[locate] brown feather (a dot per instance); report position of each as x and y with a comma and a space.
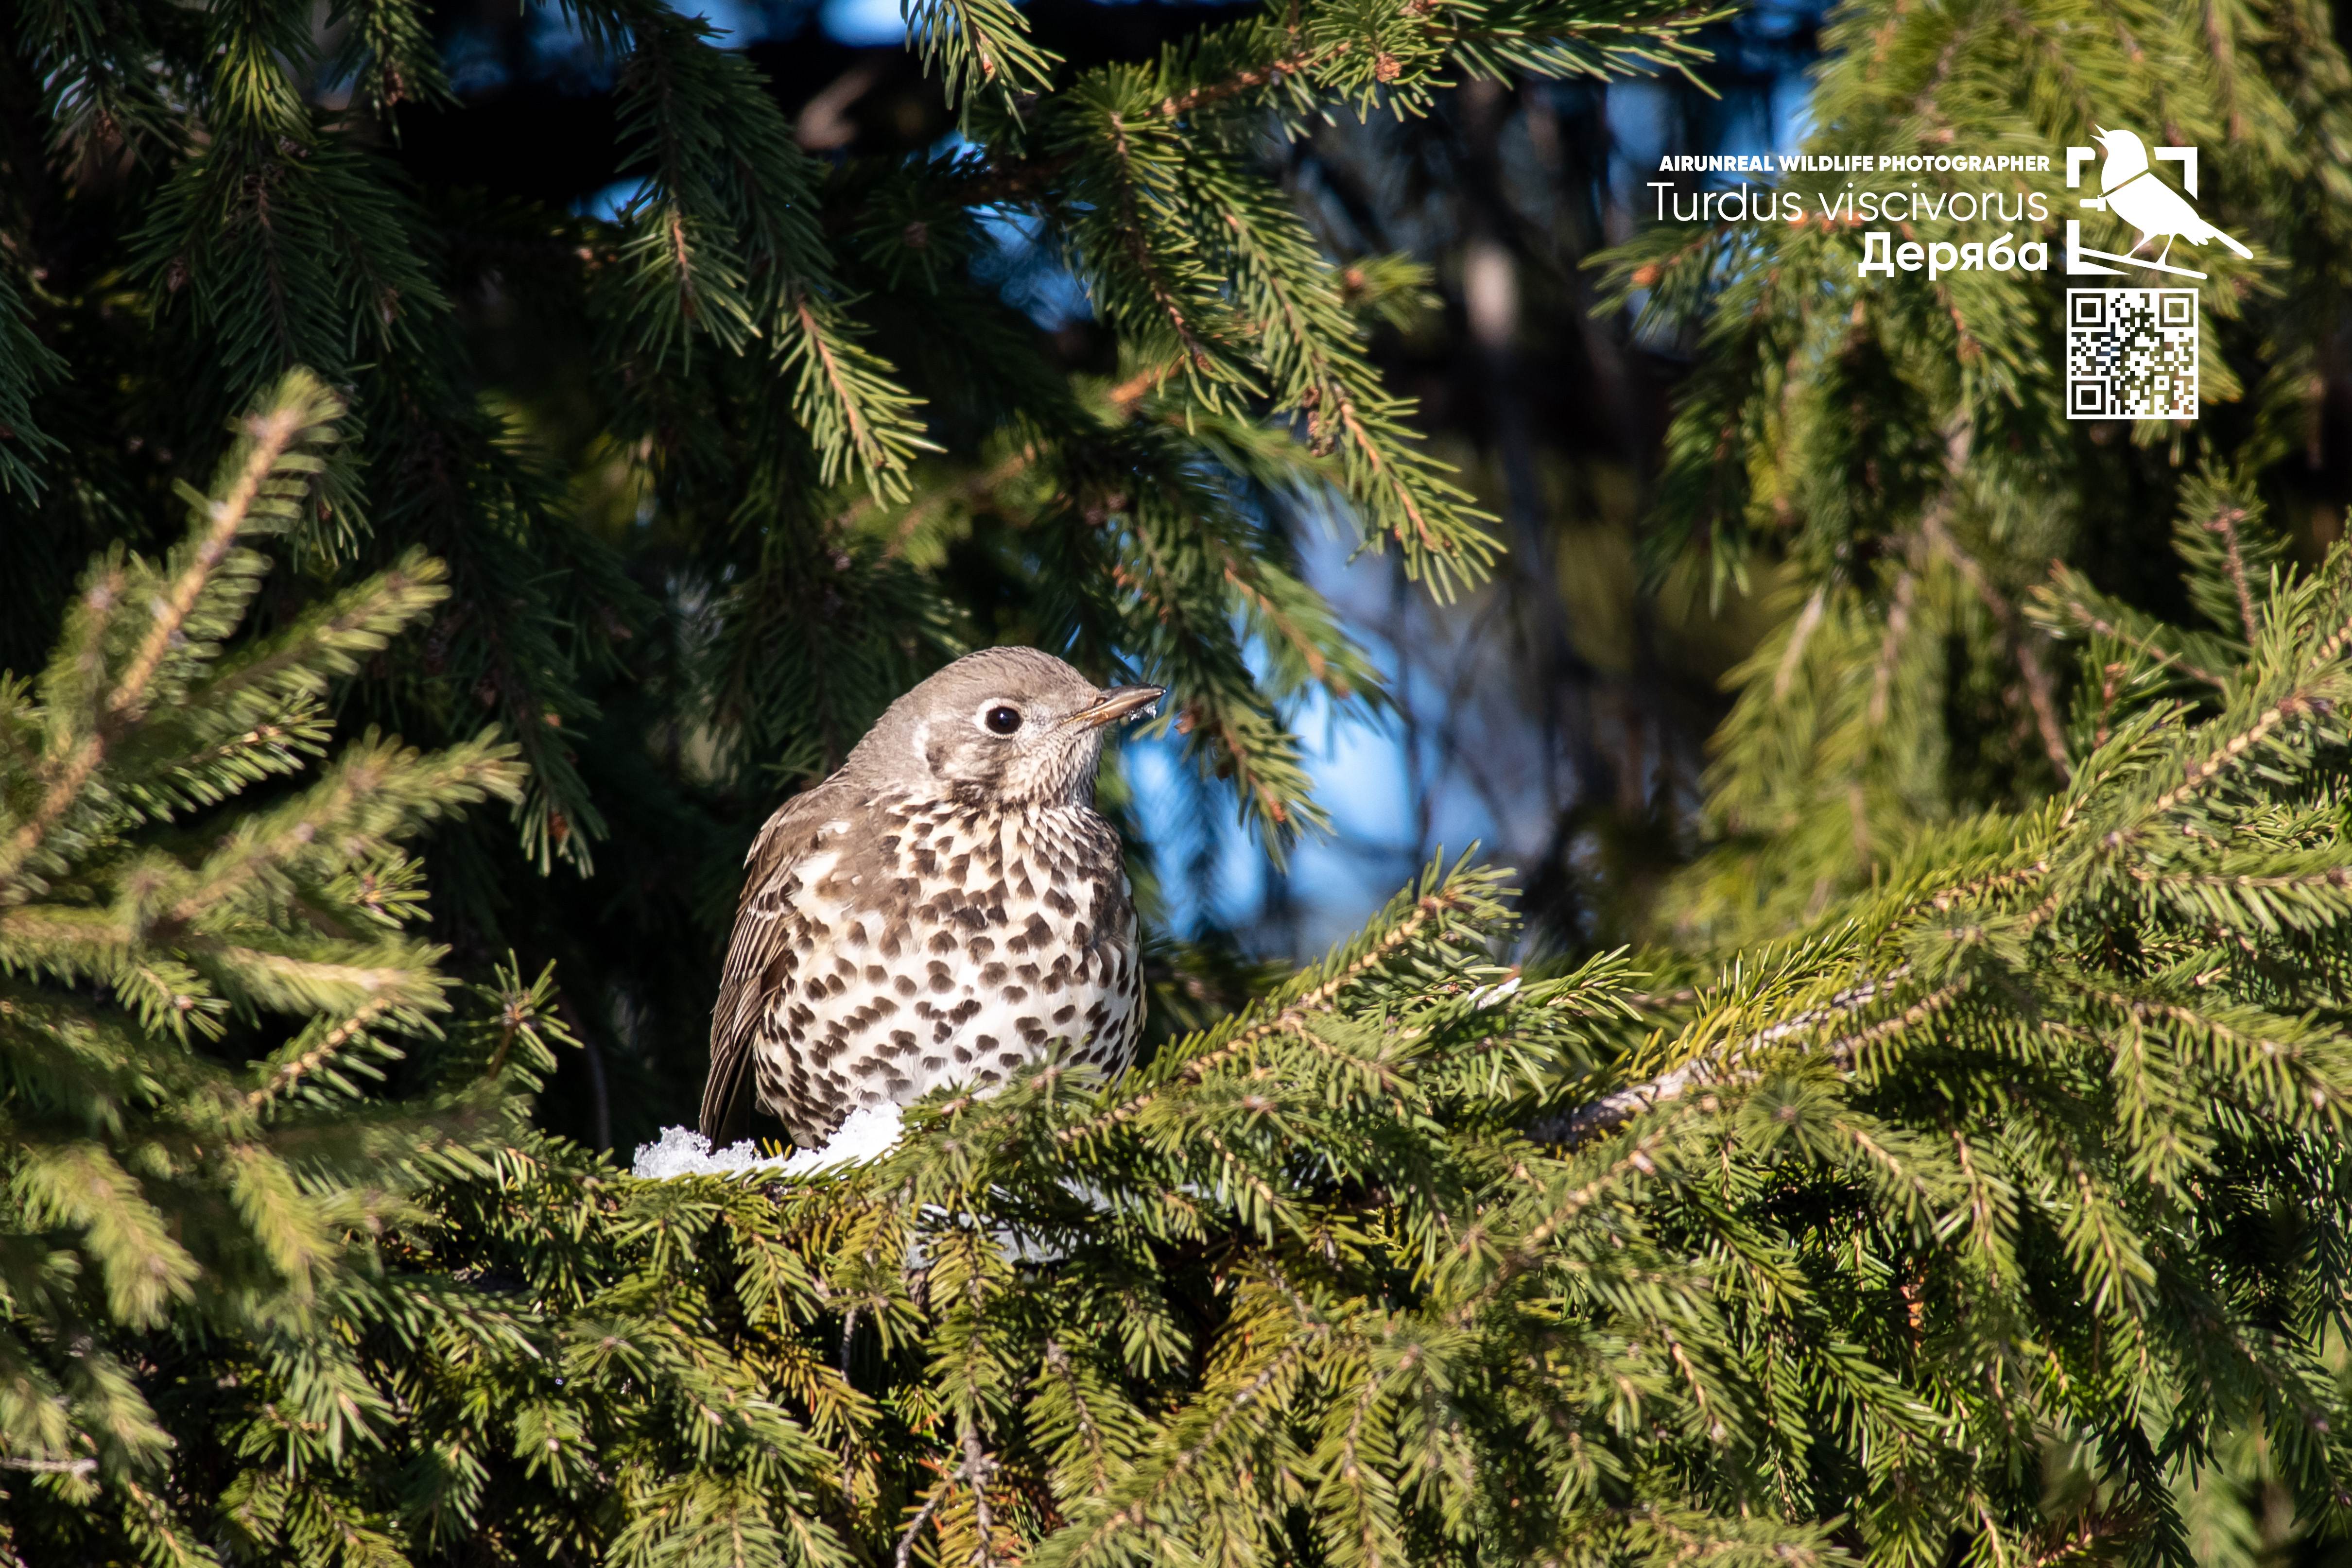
741, 1012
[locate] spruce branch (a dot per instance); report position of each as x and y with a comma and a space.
976, 45
1192, 1062
259, 474
904, 1552
2041, 693
2225, 524
1306, 1285
979, 1470
1729, 1064
196, 1197
78, 1468
313, 1055
2069, 602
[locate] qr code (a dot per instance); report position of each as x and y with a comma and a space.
2131, 354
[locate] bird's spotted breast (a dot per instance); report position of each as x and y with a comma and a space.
944, 908
934, 942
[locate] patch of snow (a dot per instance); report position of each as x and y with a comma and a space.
681, 1151
871, 1131
1495, 996
869, 1134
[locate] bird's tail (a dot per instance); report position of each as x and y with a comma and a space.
2234, 245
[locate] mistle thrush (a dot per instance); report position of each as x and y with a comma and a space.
946, 908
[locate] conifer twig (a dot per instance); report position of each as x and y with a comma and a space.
2225, 523
1620, 1105
979, 1467
2093, 622
1291, 1018
64, 781
2204, 770
1176, 105
2041, 692
333, 1040
270, 432
1531, 1249
904, 1555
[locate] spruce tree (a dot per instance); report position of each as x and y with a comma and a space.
2002, 1142
2031, 1150
1892, 461
202, 996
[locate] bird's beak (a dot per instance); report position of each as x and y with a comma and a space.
1118, 703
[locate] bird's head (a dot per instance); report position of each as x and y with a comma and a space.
1004, 725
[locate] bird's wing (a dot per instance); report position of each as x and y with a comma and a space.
735, 1018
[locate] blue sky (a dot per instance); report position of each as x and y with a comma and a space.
857, 22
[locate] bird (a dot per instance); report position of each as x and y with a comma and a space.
946, 908
2130, 189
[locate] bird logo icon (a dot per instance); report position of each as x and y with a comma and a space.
2130, 188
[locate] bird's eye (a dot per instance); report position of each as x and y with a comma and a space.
1004, 720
